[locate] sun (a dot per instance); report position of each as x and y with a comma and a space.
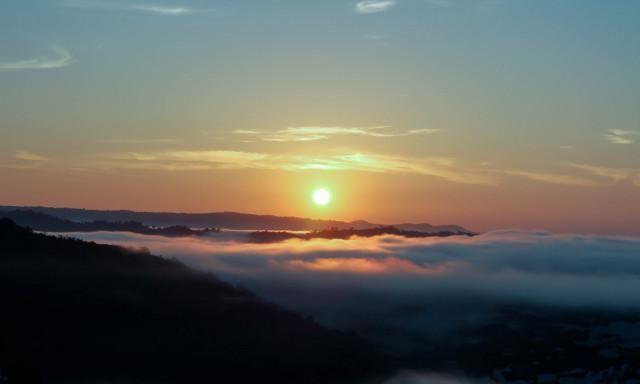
321, 196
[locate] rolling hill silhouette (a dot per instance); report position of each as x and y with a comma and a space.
230, 220
48, 223
74, 311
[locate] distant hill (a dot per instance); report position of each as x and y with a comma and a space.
48, 223
335, 233
79, 312
428, 228
230, 220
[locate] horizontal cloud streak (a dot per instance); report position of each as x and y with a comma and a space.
152, 8
612, 174
216, 159
26, 160
314, 133
29, 156
62, 59
551, 178
445, 168
620, 136
374, 6
142, 141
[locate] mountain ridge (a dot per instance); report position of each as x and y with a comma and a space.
48, 223
226, 219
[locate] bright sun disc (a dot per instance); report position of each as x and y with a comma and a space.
321, 196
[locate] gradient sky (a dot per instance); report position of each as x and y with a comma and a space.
487, 113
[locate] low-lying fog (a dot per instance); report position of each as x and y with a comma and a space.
423, 286
546, 268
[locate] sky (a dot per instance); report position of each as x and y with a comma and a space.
487, 114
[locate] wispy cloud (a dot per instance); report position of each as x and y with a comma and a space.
581, 175
61, 59
444, 168
142, 141
180, 160
374, 6
29, 156
246, 132
314, 133
551, 178
152, 8
22, 159
164, 10
620, 136
613, 174
613, 139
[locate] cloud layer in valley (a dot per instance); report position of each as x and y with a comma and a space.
367, 277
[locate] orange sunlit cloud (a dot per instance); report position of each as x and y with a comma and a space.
364, 266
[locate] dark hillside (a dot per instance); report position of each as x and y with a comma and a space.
74, 311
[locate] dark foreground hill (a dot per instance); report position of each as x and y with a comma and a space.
73, 312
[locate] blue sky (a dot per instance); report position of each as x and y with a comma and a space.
446, 100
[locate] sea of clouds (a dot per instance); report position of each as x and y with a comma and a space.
397, 291
512, 265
